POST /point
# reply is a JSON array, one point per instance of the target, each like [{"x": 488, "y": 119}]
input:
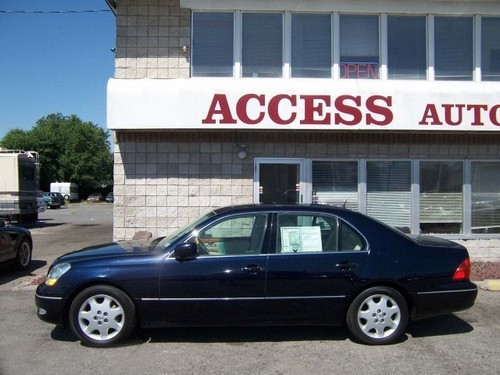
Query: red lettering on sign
[
  {"x": 430, "y": 115},
  {"x": 476, "y": 109},
  {"x": 494, "y": 118},
  {"x": 274, "y": 104},
  {"x": 384, "y": 112},
  {"x": 343, "y": 108},
  {"x": 314, "y": 109},
  {"x": 242, "y": 108},
  {"x": 219, "y": 107}
]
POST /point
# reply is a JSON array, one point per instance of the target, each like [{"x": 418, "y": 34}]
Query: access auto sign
[{"x": 303, "y": 104}]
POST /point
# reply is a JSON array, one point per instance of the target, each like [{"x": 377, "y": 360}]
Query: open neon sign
[{"x": 359, "y": 70}]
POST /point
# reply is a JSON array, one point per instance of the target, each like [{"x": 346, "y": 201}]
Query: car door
[
  {"x": 225, "y": 284},
  {"x": 7, "y": 244},
  {"x": 316, "y": 265}
]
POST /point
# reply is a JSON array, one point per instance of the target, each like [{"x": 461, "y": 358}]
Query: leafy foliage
[{"x": 70, "y": 150}]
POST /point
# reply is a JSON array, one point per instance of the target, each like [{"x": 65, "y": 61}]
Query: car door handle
[
  {"x": 252, "y": 268},
  {"x": 346, "y": 266}
]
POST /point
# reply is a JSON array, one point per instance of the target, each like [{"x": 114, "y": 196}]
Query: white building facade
[{"x": 391, "y": 108}]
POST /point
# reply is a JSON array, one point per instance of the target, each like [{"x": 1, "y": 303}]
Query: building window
[
  {"x": 311, "y": 46},
  {"x": 262, "y": 44},
  {"x": 212, "y": 54},
  {"x": 485, "y": 197},
  {"x": 264, "y": 40},
  {"x": 441, "y": 197},
  {"x": 388, "y": 196},
  {"x": 335, "y": 183},
  {"x": 407, "y": 49},
  {"x": 359, "y": 47},
  {"x": 490, "y": 49},
  {"x": 453, "y": 48}
]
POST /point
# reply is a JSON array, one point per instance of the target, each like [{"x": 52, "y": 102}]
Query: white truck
[
  {"x": 69, "y": 190},
  {"x": 18, "y": 185}
]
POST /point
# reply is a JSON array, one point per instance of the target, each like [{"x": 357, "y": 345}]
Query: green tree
[{"x": 70, "y": 150}]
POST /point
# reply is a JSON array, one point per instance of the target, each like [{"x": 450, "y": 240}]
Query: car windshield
[{"x": 165, "y": 242}]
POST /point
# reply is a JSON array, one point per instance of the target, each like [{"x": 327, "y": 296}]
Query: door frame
[{"x": 305, "y": 192}]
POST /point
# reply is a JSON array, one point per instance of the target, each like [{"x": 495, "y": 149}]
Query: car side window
[
  {"x": 350, "y": 239},
  {"x": 241, "y": 235},
  {"x": 306, "y": 233},
  {"x": 316, "y": 233}
]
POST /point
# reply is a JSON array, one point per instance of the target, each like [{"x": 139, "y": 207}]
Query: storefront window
[
  {"x": 485, "y": 197},
  {"x": 359, "y": 47},
  {"x": 262, "y": 44},
  {"x": 335, "y": 183},
  {"x": 311, "y": 46},
  {"x": 453, "y": 48},
  {"x": 212, "y": 54},
  {"x": 490, "y": 47},
  {"x": 389, "y": 192},
  {"x": 441, "y": 197},
  {"x": 407, "y": 56}
]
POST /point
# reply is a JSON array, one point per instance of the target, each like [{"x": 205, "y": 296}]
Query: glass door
[{"x": 279, "y": 181}]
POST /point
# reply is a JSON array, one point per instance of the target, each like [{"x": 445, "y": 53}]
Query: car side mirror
[{"x": 186, "y": 251}]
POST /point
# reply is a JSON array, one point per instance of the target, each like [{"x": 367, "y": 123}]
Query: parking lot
[{"x": 466, "y": 342}]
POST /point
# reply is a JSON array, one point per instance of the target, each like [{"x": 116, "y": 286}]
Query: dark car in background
[
  {"x": 53, "y": 200},
  {"x": 16, "y": 245},
  {"x": 261, "y": 265},
  {"x": 95, "y": 198},
  {"x": 110, "y": 198}
]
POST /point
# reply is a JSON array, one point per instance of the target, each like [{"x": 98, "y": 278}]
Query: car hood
[{"x": 114, "y": 249}]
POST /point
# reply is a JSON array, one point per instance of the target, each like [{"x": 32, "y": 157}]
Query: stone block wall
[{"x": 150, "y": 39}]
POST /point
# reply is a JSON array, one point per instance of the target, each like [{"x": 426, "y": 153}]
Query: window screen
[
  {"x": 453, "y": 48},
  {"x": 441, "y": 198},
  {"x": 407, "y": 51},
  {"x": 359, "y": 46},
  {"x": 389, "y": 192},
  {"x": 212, "y": 54},
  {"x": 490, "y": 47},
  {"x": 262, "y": 40},
  {"x": 311, "y": 45}
]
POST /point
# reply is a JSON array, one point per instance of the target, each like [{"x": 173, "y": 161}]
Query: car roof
[{"x": 282, "y": 207}]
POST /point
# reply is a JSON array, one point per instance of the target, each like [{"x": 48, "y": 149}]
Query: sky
[{"x": 54, "y": 62}]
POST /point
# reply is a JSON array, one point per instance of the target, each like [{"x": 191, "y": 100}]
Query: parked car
[
  {"x": 94, "y": 198},
  {"x": 40, "y": 202},
  {"x": 58, "y": 196},
  {"x": 53, "y": 200},
  {"x": 16, "y": 245},
  {"x": 261, "y": 265},
  {"x": 110, "y": 197}
]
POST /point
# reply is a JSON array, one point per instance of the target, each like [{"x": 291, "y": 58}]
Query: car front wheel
[
  {"x": 102, "y": 315},
  {"x": 377, "y": 316}
]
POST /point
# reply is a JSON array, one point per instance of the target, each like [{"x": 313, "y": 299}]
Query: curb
[{"x": 489, "y": 285}]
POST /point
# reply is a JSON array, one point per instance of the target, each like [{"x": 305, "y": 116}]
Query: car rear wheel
[
  {"x": 23, "y": 256},
  {"x": 102, "y": 315},
  {"x": 377, "y": 316}
]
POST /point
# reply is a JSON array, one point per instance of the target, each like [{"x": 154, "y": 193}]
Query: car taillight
[{"x": 463, "y": 271}]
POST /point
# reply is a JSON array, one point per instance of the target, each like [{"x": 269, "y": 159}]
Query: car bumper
[
  {"x": 434, "y": 303},
  {"x": 50, "y": 309}
]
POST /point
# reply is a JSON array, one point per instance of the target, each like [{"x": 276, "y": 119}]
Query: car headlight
[{"x": 56, "y": 272}]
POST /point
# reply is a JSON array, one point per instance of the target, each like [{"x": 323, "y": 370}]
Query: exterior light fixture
[{"x": 242, "y": 154}]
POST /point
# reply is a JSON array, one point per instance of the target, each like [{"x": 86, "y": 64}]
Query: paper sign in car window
[{"x": 300, "y": 239}]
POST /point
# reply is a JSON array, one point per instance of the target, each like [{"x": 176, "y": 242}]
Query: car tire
[
  {"x": 377, "y": 316},
  {"x": 23, "y": 255},
  {"x": 102, "y": 315}
]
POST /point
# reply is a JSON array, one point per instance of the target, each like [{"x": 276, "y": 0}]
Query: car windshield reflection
[{"x": 165, "y": 242}]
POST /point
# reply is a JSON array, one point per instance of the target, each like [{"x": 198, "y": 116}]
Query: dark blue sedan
[{"x": 261, "y": 265}]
